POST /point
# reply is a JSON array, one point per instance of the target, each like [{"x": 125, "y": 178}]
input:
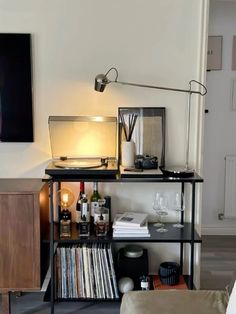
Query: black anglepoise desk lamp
[{"x": 101, "y": 81}]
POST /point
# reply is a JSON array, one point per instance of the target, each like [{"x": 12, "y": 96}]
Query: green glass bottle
[{"x": 94, "y": 204}]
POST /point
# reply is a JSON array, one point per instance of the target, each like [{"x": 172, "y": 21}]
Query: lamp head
[{"x": 101, "y": 81}]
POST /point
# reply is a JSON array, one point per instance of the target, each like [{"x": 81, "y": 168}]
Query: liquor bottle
[
  {"x": 145, "y": 283},
  {"x": 65, "y": 224},
  {"x": 78, "y": 205},
  {"x": 94, "y": 204},
  {"x": 84, "y": 223},
  {"x": 107, "y": 204},
  {"x": 101, "y": 226},
  {"x": 84, "y": 227},
  {"x": 101, "y": 210}
]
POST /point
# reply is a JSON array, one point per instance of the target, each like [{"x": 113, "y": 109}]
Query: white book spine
[
  {"x": 74, "y": 273},
  {"x": 105, "y": 274},
  {"x": 91, "y": 274},
  {"x": 63, "y": 273},
  {"x": 97, "y": 293},
  {"x": 83, "y": 294},
  {"x": 108, "y": 271},
  {"x": 102, "y": 285},
  {"x": 86, "y": 272},
  {"x": 113, "y": 271},
  {"x": 129, "y": 235}
]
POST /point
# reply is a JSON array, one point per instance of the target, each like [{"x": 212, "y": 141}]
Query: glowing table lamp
[{"x": 65, "y": 199}]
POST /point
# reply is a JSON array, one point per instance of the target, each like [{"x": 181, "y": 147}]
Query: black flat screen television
[{"x": 16, "y": 114}]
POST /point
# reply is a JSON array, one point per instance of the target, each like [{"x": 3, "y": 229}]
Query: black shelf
[
  {"x": 47, "y": 294},
  {"x": 179, "y": 236},
  {"x": 48, "y": 299},
  {"x": 73, "y": 176},
  {"x": 174, "y": 235},
  {"x": 87, "y": 300}
]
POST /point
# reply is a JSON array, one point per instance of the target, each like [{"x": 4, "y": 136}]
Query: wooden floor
[
  {"x": 32, "y": 303},
  {"x": 218, "y": 263}
]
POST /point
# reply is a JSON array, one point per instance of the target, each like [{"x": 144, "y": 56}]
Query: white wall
[
  {"x": 220, "y": 122},
  {"x": 75, "y": 40},
  {"x": 152, "y": 42}
]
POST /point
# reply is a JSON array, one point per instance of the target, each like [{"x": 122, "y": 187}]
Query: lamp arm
[
  {"x": 115, "y": 77},
  {"x": 203, "y": 93},
  {"x": 189, "y": 91}
]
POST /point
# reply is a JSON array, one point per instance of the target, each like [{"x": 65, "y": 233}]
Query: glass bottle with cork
[
  {"x": 101, "y": 219},
  {"x": 94, "y": 205}
]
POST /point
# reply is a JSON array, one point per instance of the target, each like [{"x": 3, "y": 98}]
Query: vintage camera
[{"x": 146, "y": 162}]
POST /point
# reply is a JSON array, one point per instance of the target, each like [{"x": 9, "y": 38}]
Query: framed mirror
[{"x": 148, "y": 131}]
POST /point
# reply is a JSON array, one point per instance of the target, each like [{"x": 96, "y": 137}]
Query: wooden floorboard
[{"x": 218, "y": 261}]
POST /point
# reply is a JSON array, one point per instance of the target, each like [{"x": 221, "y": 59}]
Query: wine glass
[
  {"x": 156, "y": 207},
  {"x": 177, "y": 206},
  {"x": 160, "y": 205}
]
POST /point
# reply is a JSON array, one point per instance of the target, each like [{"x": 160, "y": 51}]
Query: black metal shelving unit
[{"x": 181, "y": 236}]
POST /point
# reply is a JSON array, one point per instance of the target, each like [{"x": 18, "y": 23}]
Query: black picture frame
[
  {"x": 16, "y": 100},
  {"x": 150, "y": 137}
]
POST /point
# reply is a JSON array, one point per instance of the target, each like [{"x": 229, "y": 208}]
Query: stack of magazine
[
  {"x": 130, "y": 225},
  {"x": 86, "y": 271}
]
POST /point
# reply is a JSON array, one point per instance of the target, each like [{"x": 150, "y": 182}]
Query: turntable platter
[{"x": 78, "y": 164}]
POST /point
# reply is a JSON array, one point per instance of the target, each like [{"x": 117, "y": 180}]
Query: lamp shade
[{"x": 100, "y": 82}]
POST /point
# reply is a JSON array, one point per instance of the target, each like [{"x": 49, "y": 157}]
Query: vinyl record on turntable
[{"x": 80, "y": 163}]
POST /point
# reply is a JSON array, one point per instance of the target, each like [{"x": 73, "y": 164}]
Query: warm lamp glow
[
  {"x": 65, "y": 198},
  {"x": 83, "y": 137}
]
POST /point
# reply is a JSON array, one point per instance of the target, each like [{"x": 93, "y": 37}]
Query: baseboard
[{"x": 207, "y": 230}]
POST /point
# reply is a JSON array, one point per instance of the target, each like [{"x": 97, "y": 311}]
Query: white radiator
[{"x": 230, "y": 186}]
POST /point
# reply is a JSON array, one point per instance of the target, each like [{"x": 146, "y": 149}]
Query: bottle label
[
  {"x": 85, "y": 210},
  {"x": 94, "y": 206},
  {"x": 97, "y": 214},
  {"x": 145, "y": 285},
  {"x": 65, "y": 228},
  {"x": 84, "y": 229},
  {"x": 77, "y": 216}
]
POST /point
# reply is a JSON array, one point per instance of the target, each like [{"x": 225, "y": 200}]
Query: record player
[{"x": 83, "y": 145}]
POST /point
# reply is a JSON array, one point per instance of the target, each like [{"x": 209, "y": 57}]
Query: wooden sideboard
[{"x": 24, "y": 219}]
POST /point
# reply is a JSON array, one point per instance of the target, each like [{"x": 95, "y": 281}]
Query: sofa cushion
[
  {"x": 231, "y": 308},
  {"x": 229, "y": 287},
  {"x": 174, "y": 301}
]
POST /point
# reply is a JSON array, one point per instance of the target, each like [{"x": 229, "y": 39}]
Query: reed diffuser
[
  {"x": 128, "y": 128},
  {"x": 128, "y": 146}
]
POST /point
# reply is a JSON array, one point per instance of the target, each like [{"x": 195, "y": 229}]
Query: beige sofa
[{"x": 174, "y": 302}]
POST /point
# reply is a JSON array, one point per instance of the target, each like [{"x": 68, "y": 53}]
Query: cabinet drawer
[{"x": 19, "y": 242}]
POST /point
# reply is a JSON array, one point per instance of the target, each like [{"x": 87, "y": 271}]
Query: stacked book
[
  {"x": 131, "y": 225},
  {"x": 86, "y": 271}
]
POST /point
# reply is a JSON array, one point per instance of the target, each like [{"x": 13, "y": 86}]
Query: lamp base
[{"x": 177, "y": 171}]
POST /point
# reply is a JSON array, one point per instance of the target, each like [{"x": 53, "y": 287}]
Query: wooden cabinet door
[{"x": 19, "y": 242}]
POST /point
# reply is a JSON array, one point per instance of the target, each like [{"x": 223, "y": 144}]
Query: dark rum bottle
[
  {"x": 78, "y": 205},
  {"x": 94, "y": 204}
]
